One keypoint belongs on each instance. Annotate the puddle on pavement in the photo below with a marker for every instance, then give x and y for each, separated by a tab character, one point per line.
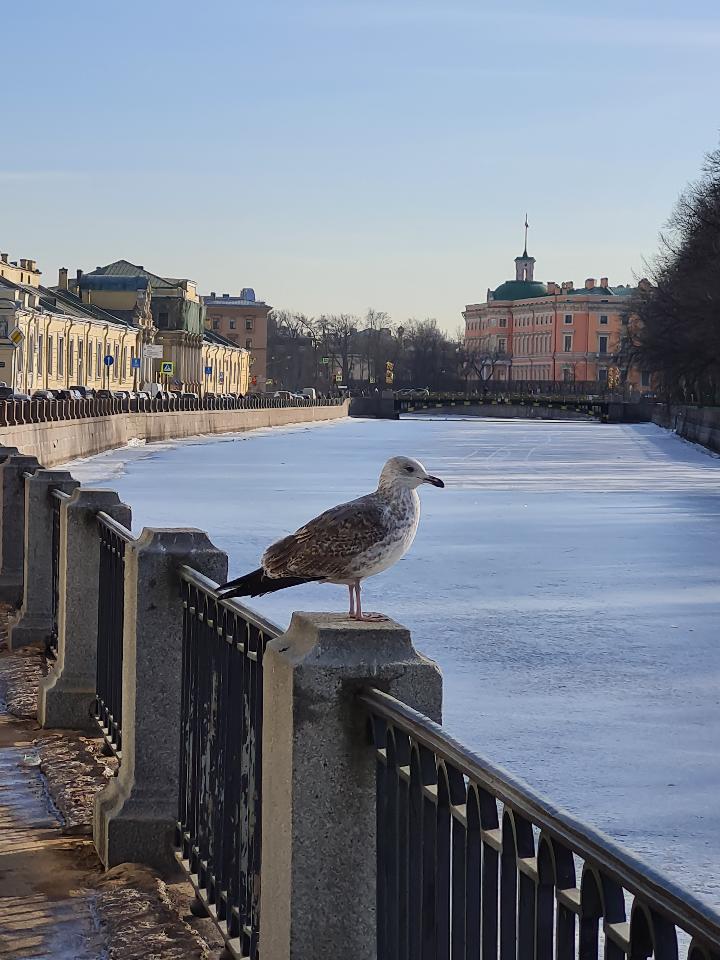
46	912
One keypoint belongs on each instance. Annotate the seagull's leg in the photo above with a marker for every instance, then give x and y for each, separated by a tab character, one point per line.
359	615
351	588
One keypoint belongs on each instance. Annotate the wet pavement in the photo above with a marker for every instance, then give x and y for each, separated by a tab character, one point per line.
46	907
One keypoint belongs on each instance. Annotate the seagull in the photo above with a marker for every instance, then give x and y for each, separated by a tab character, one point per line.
347	543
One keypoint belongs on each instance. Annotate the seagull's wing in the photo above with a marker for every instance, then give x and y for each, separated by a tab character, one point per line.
325	545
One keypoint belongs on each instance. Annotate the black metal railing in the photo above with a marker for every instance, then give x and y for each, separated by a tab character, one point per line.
58	497
473	864
21	412
218	831
111	603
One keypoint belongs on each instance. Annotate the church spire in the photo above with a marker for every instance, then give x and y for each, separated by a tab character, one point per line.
525	265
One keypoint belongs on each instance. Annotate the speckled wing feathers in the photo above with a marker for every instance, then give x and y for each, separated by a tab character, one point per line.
327	545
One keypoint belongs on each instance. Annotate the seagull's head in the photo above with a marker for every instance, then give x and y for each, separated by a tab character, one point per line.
406	472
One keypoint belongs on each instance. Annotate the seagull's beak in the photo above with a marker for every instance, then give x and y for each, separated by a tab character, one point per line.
435	481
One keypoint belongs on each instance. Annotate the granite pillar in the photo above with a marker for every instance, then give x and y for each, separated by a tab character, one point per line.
317	899
135	814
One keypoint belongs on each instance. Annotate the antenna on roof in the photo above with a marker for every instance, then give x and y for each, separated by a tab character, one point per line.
525	253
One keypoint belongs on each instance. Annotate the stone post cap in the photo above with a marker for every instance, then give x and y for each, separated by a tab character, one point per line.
22	461
54	476
93	497
334	639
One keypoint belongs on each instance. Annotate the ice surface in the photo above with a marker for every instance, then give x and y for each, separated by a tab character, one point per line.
566	580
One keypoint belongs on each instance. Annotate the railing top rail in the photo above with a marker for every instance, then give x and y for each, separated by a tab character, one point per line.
59	494
105	520
208	586
688	912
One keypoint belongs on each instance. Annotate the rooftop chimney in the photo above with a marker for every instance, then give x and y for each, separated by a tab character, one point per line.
63	278
590	283
226	296
604	282
78	278
212	294
567	284
4	257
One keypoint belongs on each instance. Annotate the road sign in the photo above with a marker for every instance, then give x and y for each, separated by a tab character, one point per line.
388	377
338	378
389	365
208	371
254	381
134	363
167	367
372	379
153	351
17	336
324	359
108	360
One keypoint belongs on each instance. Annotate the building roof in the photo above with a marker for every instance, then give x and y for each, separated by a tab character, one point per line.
54	300
212	336
123	268
104	281
591	292
520	290
229	301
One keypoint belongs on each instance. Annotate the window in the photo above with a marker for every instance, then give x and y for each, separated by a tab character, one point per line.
624	321
80	348
90	357
61	355
602	344
568	318
645	378
602	374
249	323
567	343
248	343
40	354
115	365
502	344
603	320
232	324
163	318
50	356
71	358
216	324
99	365
502	322
123	367
567	374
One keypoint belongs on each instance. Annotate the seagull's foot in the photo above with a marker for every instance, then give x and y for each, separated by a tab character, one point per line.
370	617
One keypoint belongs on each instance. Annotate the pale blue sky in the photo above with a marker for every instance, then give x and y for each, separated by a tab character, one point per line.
342	155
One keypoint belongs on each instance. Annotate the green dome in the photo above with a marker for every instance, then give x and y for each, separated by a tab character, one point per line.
520	290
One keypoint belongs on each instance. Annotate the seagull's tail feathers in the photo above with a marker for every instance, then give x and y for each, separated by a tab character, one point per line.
258	583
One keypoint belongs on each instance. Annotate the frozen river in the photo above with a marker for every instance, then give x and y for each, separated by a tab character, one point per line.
566	580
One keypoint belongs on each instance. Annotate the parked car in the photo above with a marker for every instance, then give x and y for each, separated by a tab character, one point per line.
310	393
7	393
283	395
87	393
109	394
69	394
43	395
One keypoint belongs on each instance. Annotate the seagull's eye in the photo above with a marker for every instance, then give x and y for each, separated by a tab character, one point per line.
410	469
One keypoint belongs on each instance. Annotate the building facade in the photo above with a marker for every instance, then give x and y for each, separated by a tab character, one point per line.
66	333
243	320
63	343
527	330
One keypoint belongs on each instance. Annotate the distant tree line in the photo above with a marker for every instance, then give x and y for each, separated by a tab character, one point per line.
309	351
674	328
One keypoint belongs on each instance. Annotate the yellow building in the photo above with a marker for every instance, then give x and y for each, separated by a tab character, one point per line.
19	271
228	365
61	344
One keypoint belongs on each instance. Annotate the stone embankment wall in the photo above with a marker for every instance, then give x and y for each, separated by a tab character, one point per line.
699	424
57	442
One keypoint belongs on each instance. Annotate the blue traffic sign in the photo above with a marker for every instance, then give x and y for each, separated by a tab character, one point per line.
108	360
208	371
135	363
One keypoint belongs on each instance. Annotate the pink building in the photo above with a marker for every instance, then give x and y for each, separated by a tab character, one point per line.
533	331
